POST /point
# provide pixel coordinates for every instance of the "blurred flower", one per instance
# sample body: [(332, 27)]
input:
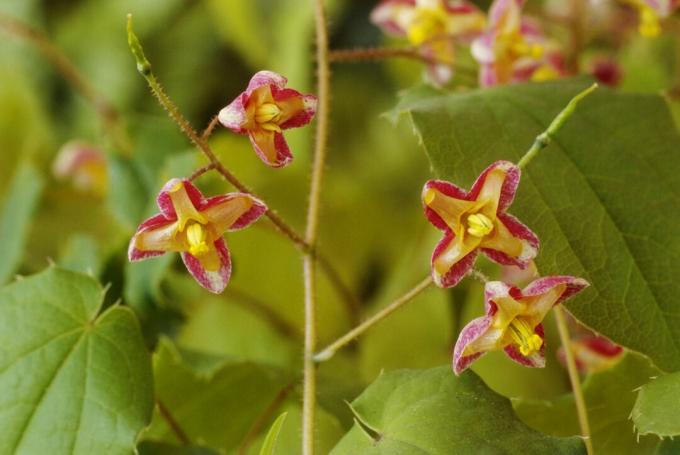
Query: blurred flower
[(606, 70), (593, 353), (264, 110), (477, 220), (651, 12), (513, 321), (434, 25), (194, 226), (514, 49), (84, 165)]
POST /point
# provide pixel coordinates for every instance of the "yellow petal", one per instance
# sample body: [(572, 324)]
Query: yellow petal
[(502, 240), (184, 208), (448, 208), (161, 239), (222, 216)]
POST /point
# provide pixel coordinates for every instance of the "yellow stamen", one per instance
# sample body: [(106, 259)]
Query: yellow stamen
[(196, 237), (524, 337), (649, 22), (270, 127), (267, 112), (479, 225)]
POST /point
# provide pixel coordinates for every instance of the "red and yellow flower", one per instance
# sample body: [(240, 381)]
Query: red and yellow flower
[(651, 12), (264, 110), (434, 26), (513, 321), (514, 49), (477, 220), (194, 226)]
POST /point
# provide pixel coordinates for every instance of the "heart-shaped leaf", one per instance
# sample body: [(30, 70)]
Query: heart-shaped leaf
[(604, 197), (657, 409), (434, 412), (74, 381)]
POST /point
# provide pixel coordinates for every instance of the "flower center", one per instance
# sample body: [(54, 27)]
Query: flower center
[(479, 225), (268, 116), (427, 24), (524, 337), (196, 237)]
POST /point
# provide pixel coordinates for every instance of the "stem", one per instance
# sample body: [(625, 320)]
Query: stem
[(309, 259), (332, 348), (211, 126), (109, 115), (546, 137), (144, 68), (202, 170), (574, 378), (172, 423), (379, 53), (577, 36)]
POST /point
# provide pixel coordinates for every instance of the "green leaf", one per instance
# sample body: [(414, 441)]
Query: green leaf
[(609, 397), (75, 381), (657, 409), (215, 401), (127, 197), (270, 440), (22, 198), (601, 197), (434, 412)]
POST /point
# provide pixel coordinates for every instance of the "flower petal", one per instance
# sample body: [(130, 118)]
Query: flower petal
[(271, 147), (233, 211), (296, 109), (550, 291), (454, 202), (451, 261), (234, 116), (498, 184), (536, 359), (213, 280), (262, 78), (147, 241), (513, 243), (472, 332), (186, 193), (393, 16)]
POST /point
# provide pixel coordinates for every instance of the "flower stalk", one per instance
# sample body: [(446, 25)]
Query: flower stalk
[(545, 138), (309, 259), (574, 377)]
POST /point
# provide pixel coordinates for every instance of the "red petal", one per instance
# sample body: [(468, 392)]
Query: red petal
[(165, 202), (253, 214), (458, 271), (271, 147), (512, 176), (543, 285), (265, 78), (448, 189), (234, 116), (305, 115), (520, 231), (213, 281), (154, 222), (494, 290), (383, 16), (471, 332)]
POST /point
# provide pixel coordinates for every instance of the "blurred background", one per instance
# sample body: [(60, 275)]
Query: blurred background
[(372, 228)]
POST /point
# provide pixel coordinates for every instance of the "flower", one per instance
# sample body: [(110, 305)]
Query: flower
[(513, 49), (651, 12), (433, 25), (264, 110), (593, 353), (606, 70), (84, 165), (513, 321), (477, 220), (194, 226)]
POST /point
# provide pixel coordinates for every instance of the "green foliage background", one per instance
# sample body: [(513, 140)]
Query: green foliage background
[(218, 363)]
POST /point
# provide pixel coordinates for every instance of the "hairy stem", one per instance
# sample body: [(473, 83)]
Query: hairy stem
[(574, 378), (309, 258), (144, 68), (172, 423), (546, 137), (332, 348), (110, 117), (379, 53)]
